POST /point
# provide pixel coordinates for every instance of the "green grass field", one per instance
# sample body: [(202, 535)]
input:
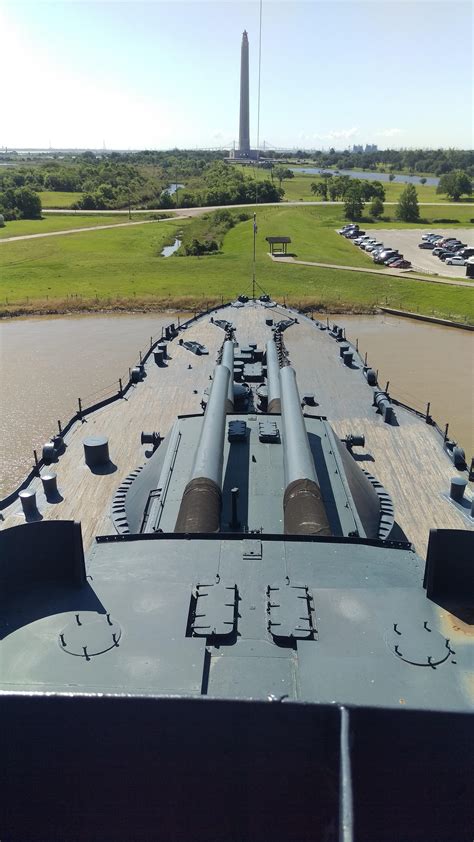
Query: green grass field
[(122, 268), (299, 189), (20, 227), (55, 199)]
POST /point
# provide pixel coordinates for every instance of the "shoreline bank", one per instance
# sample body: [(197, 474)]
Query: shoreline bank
[(77, 307)]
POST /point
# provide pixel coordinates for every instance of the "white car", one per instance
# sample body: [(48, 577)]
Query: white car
[(360, 240), (366, 243), (373, 246), (455, 260)]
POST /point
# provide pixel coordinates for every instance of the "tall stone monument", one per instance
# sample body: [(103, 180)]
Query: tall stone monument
[(244, 134), (244, 152)]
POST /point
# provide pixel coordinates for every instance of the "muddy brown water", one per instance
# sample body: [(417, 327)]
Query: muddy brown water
[(47, 363)]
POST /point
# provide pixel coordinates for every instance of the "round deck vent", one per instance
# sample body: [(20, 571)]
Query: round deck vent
[(90, 634), (419, 644)]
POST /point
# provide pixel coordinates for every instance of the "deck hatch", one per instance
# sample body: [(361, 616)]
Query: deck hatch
[(213, 610), (237, 431), (268, 431), (290, 611)]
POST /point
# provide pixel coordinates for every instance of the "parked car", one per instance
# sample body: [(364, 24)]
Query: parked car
[(466, 252), (437, 250), (384, 255), (373, 246), (426, 244), (352, 235), (392, 259), (360, 239), (401, 264), (455, 260), (445, 240), (346, 228), (366, 243), (444, 254)]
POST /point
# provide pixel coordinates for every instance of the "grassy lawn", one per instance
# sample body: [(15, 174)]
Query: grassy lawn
[(55, 199), (57, 222), (299, 189), (122, 268)]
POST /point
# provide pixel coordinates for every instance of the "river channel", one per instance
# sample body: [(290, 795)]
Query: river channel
[(431, 181), (47, 363)]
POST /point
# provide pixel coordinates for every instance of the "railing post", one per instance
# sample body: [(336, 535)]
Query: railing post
[(80, 408), (446, 431), (60, 428), (357, 345), (120, 387), (365, 358), (427, 414), (140, 355), (151, 342), (36, 466), (387, 385)]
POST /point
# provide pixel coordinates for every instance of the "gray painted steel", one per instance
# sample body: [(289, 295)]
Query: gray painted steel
[(273, 377), (228, 361), (209, 455), (298, 460)]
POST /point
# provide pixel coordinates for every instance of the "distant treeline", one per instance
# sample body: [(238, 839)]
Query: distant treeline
[(141, 179), (436, 161)]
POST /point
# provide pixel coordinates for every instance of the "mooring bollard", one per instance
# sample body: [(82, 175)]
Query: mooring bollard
[(28, 501), (96, 451), (50, 486)]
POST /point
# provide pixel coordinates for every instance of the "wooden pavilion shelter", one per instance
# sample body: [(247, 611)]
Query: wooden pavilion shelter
[(278, 241)]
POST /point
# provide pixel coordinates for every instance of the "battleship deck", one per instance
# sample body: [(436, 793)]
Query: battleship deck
[(406, 457)]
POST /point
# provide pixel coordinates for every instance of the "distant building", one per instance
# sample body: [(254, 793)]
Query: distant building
[(371, 147), (357, 148)]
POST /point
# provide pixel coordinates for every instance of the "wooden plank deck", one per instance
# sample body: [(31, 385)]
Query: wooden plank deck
[(408, 459)]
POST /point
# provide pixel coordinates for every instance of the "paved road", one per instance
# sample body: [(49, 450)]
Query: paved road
[(396, 273), (196, 211)]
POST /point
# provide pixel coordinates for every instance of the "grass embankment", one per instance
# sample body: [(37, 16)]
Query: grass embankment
[(22, 227), (121, 269), (57, 199)]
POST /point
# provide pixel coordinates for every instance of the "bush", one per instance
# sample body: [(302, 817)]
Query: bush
[(197, 248)]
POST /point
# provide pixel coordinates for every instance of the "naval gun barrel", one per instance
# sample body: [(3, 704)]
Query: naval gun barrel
[(201, 501), (228, 361), (273, 378), (303, 506)]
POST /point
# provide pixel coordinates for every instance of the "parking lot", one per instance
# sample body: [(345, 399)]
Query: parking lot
[(421, 259)]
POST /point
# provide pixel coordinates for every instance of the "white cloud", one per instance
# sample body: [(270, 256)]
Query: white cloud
[(389, 133), (339, 134)]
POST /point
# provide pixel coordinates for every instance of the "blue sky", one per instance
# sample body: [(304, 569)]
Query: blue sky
[(161, 74)]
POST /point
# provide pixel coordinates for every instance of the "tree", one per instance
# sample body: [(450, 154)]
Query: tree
[(407, 209), (353, 202), (454, 184), (391, 177), (423, 180), (376, 207), (320, 188), (283, 173)]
